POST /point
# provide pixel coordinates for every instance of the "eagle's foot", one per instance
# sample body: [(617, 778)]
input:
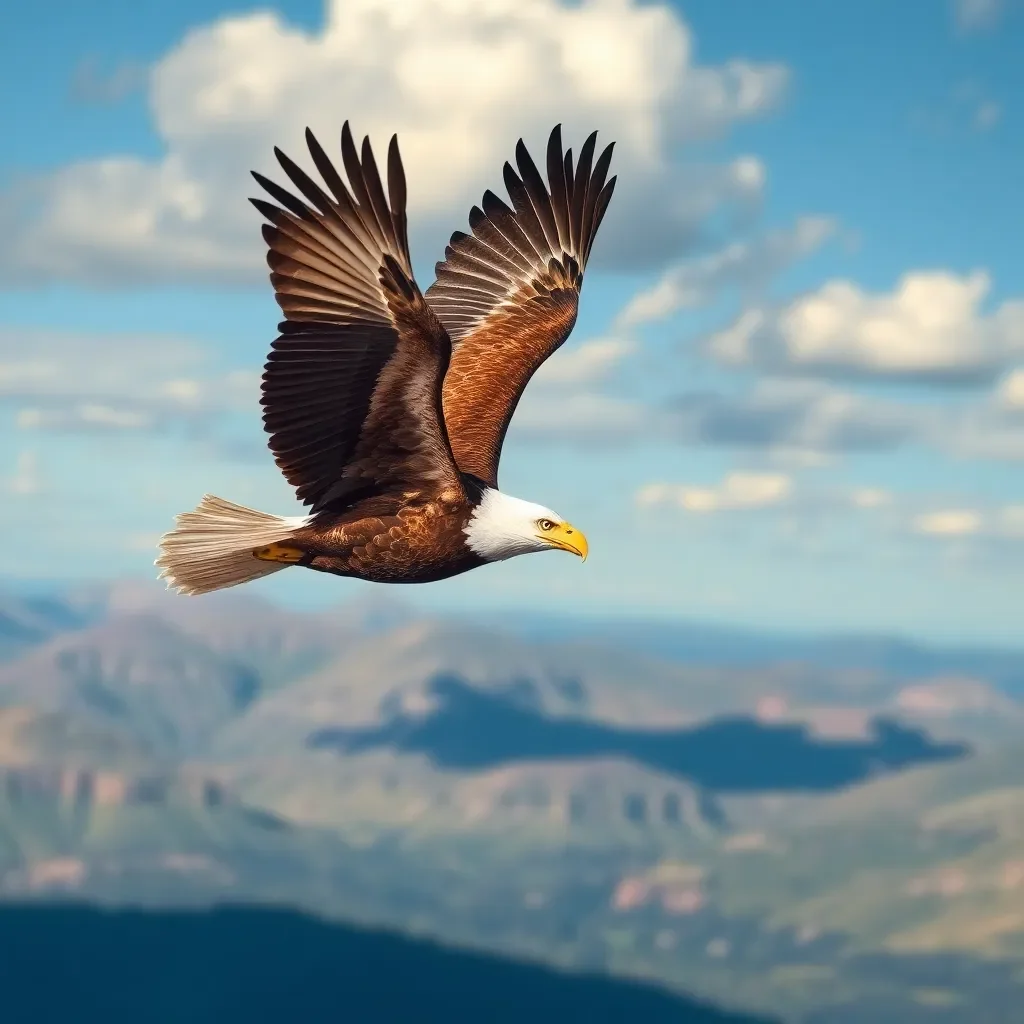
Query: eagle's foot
[(286, 553)]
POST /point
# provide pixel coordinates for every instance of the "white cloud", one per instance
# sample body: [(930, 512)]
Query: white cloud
[(736, 491), (562, 404), (977, 15), (584, 417), (998, 523), (59, 380), (989, 428), (583, 364), (794, 416), (87, 416), (931, 325), (870, 497), (26, 481), (459, 80), (948, 523), (1010, 393), (747, 265)]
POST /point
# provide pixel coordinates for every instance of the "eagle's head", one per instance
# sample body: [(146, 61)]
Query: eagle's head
[(502, 526)]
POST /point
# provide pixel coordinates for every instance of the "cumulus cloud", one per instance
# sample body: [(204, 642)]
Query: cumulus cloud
[(26, 481), (757, 489), (870, 497), (948, 522), (999, 523), (792, 422), (736, 491), (748, 265), (55, 380), (564, 401), (977, 15), (1010, 393), (457, 79), (980, 431), (793, 416), (583, 364), (931, 326), (582, 418), (990, 426)]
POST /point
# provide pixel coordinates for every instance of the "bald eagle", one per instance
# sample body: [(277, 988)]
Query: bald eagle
[(387, 407)]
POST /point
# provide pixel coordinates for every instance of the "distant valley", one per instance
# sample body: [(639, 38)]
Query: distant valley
[(804, 837)]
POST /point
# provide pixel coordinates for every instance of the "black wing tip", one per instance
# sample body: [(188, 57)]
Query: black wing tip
[(264, 181), (586, 160), (394, 153), (289, 166), (313, 145), (554, 148), (269, 210), (555, 142)]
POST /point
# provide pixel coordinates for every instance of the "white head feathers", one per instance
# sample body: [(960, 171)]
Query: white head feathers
[(503, 526)]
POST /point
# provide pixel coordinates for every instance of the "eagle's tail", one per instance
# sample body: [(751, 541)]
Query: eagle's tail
[(212, 547)]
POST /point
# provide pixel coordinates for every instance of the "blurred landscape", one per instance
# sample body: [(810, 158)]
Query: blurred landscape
[(816, 831)]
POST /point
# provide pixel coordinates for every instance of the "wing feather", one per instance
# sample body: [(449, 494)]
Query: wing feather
[(579, 194), (352, 386), (543, 207), (526, 216), (508, 293), (559, 192)]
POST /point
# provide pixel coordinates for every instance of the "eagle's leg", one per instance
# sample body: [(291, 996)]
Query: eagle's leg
[(286, 553)]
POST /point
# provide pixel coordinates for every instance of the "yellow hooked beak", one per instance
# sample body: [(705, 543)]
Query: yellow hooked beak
[(566, 537)]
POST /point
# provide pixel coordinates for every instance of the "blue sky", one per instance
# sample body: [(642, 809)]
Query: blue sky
[(795, 394)]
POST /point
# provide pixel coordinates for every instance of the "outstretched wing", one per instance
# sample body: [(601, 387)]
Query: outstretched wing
[(352, 387), (508, 293)]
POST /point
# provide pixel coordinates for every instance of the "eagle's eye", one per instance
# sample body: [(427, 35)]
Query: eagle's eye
[(546, 524)]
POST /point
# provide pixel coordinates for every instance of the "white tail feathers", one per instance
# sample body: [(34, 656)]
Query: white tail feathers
[(211, 547)]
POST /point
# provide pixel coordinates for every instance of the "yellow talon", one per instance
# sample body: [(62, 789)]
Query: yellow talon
[(279, 553)]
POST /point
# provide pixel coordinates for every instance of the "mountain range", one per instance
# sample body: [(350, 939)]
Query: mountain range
[(808, 835)]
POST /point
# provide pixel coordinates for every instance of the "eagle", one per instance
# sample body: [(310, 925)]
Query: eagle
[(387, 407)]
